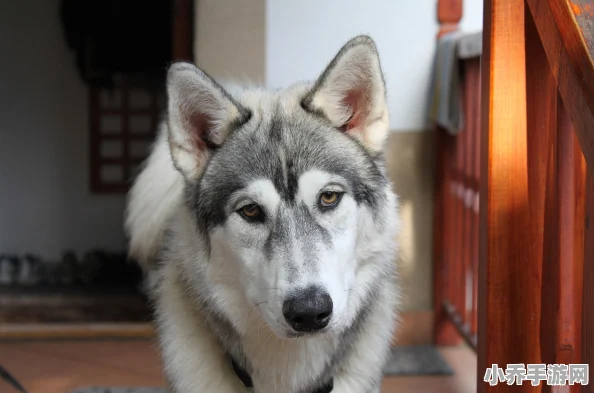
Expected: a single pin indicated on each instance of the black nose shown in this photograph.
(308, 310)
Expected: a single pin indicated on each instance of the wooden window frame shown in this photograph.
(183, 39)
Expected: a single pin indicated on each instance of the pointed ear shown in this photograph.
(200, 115)
(351, 93)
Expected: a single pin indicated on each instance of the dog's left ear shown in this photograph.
(351, 93)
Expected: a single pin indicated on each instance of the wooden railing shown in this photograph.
(457, 219)
(536, 283)
(536, 185)
(457, 204)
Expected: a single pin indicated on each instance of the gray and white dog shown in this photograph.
(273, 224)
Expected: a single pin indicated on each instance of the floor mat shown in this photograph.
(417, 360)
(405, 361)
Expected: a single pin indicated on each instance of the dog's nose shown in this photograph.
(308, 310)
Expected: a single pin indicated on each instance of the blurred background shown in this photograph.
(82, 90)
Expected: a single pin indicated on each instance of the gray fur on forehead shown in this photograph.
(282, 137)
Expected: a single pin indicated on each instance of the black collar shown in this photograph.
(245, 378)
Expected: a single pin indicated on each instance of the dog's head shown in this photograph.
(289, 191)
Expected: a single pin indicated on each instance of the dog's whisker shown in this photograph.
(260, 325)
(266, 342)
(252, 309)
(248, 316)
(208, 316)
(270, 289)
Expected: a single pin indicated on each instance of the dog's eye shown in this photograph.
(251, 212)
(329, 198)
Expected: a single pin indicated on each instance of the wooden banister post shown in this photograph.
(509, 267)
(449, 14)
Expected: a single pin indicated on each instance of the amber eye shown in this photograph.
(329, 198)
(251, 212)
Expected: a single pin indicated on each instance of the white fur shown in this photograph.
(239, 247)
(155, 196)
(196, 363)
(153, 199)
(233, 276)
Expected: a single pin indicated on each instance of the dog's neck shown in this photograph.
(261, 347)
(240, 350)
(246, 379)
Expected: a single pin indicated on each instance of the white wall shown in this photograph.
(472, 16)
(303, 36)
(45, 205)
(229, 40)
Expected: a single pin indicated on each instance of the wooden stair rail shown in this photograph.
(456, 199)
(566, 30)
(449, 14)
(536, 264)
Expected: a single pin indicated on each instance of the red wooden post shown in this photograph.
(449, 13)
(508, 299)
(536, 253)
(474, 67)
(588, 283)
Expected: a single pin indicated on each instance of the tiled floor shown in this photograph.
(60, 366)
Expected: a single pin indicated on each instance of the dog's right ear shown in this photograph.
(200, 115)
